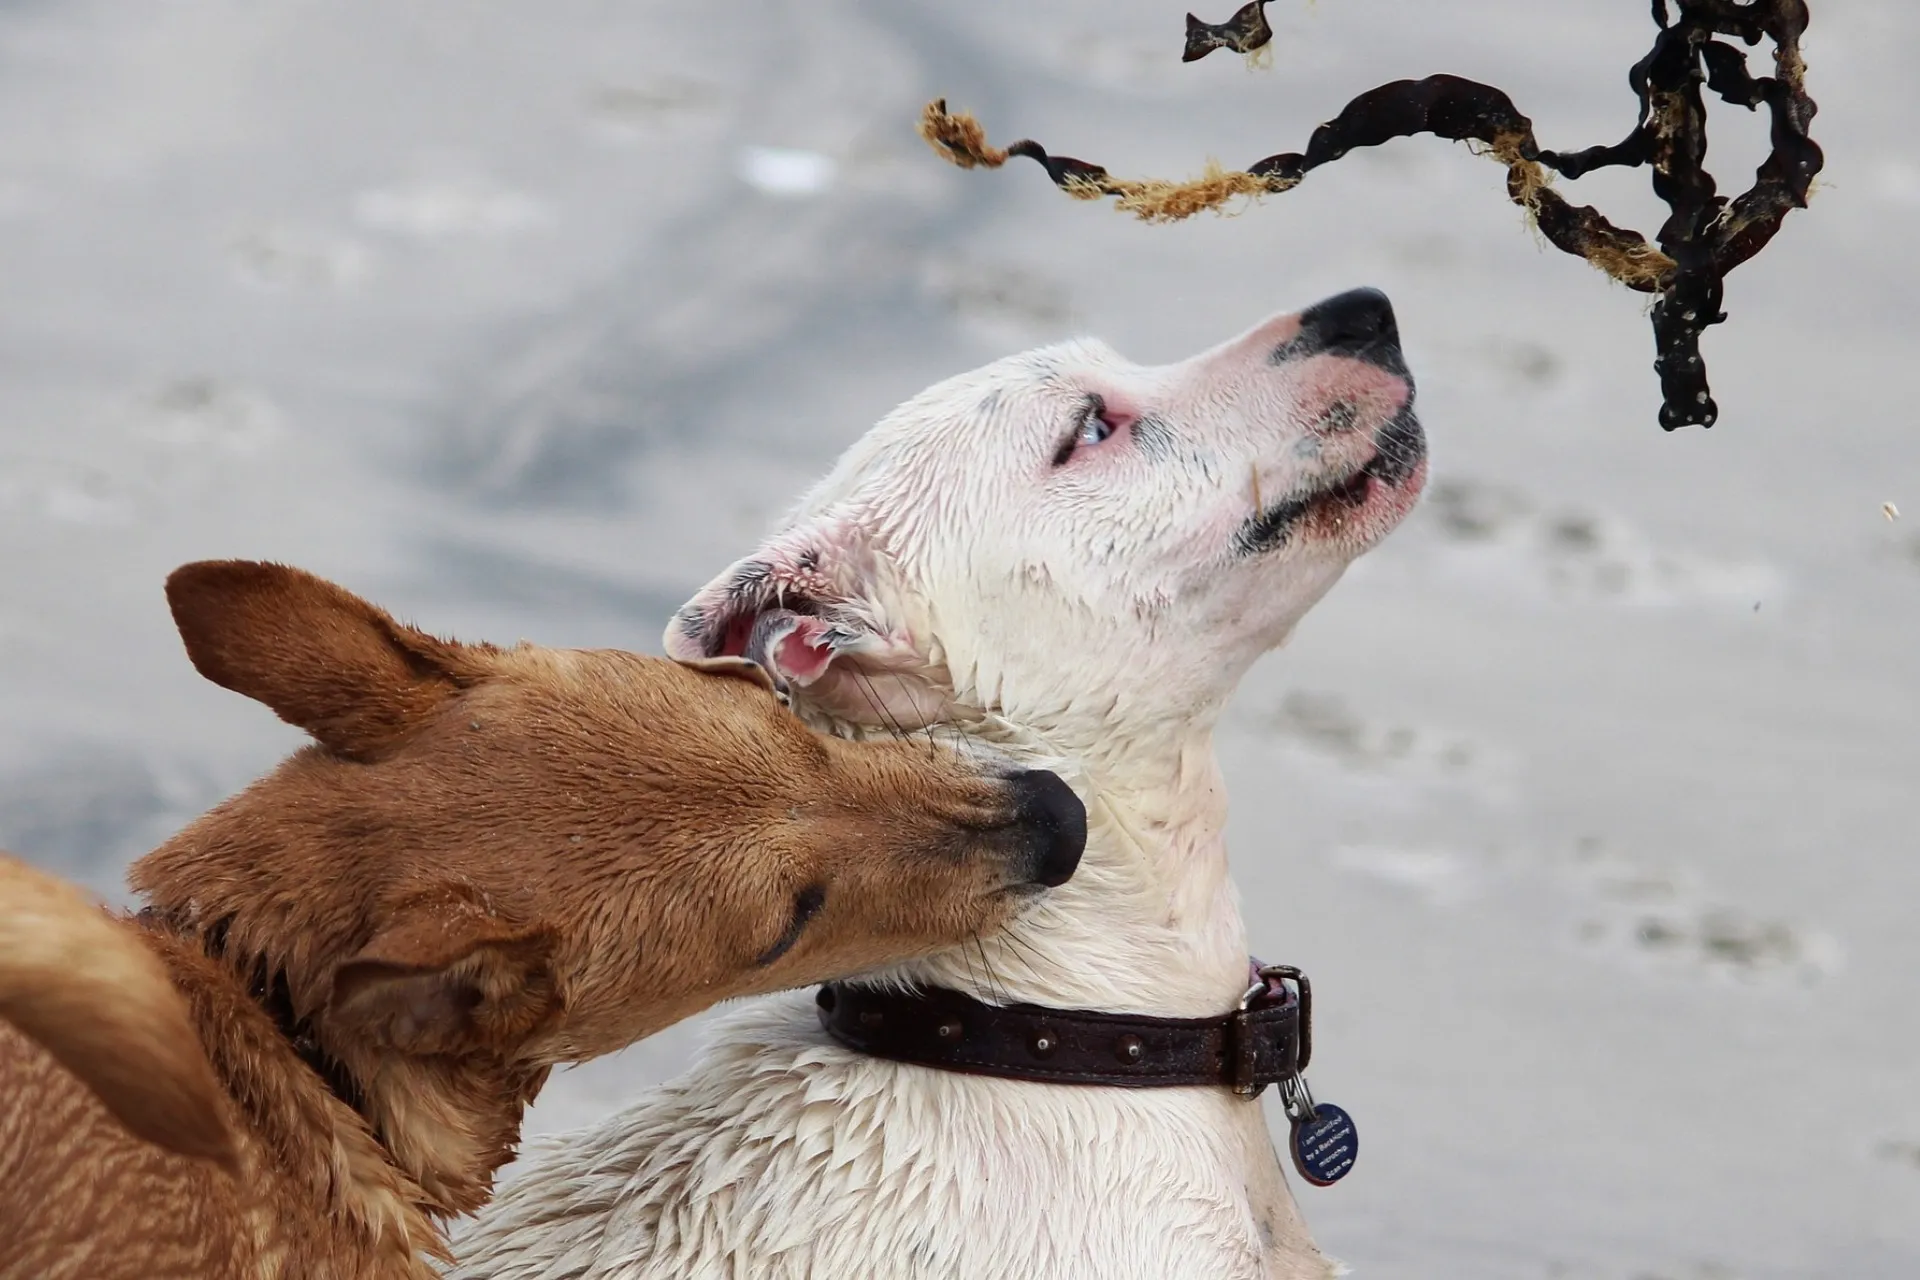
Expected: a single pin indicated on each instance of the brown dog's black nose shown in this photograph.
(1056, 822)
(1358, 323)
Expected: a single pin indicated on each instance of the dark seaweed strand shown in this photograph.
(1245, 32)
(1704, 237)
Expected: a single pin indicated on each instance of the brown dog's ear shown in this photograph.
(447, 978)
(322, 658)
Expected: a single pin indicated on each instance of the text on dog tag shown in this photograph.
(1325, 1147)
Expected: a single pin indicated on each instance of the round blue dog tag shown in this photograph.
(1325, 1147)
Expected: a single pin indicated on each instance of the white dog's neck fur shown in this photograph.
(1074, 559)
(1151, 921)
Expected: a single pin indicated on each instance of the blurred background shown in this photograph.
(1589, 801)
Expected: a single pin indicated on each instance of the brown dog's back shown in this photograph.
(102, 1006)
(101, 1203)
(100, 1060)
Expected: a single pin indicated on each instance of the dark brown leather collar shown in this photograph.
(1264, 1041)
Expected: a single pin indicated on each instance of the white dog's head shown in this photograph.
(1071, 543)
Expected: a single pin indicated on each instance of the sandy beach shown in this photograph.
(1591, 801)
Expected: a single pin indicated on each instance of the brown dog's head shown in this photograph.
(499, 859)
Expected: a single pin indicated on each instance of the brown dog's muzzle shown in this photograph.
(1054, 823)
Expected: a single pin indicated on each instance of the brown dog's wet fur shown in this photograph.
(135, 1046)
(493, 861)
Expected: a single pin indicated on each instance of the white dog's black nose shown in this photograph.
(1055, 822)
(1358, 323)
(1351, 322)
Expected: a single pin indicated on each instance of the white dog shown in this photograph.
(1076, 558)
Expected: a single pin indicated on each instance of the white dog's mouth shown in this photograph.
(1356, 509)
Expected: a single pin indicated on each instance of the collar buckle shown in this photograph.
(1268, 985)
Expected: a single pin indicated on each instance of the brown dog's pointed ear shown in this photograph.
(445, 977)
(321, 657)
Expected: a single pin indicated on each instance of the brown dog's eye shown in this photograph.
(806, 905)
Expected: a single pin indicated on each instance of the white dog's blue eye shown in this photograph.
(1095, 425)
(1092, 431)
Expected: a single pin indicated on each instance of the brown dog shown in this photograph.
(493, 861)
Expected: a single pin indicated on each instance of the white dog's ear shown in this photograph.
(737, 669)
(805, 607)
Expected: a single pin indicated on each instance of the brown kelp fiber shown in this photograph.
(1706, 235)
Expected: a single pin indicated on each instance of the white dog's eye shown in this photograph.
(1095, 425)
(1093, 430)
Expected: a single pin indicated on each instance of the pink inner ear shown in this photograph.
(801, 655)
(738, 630)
